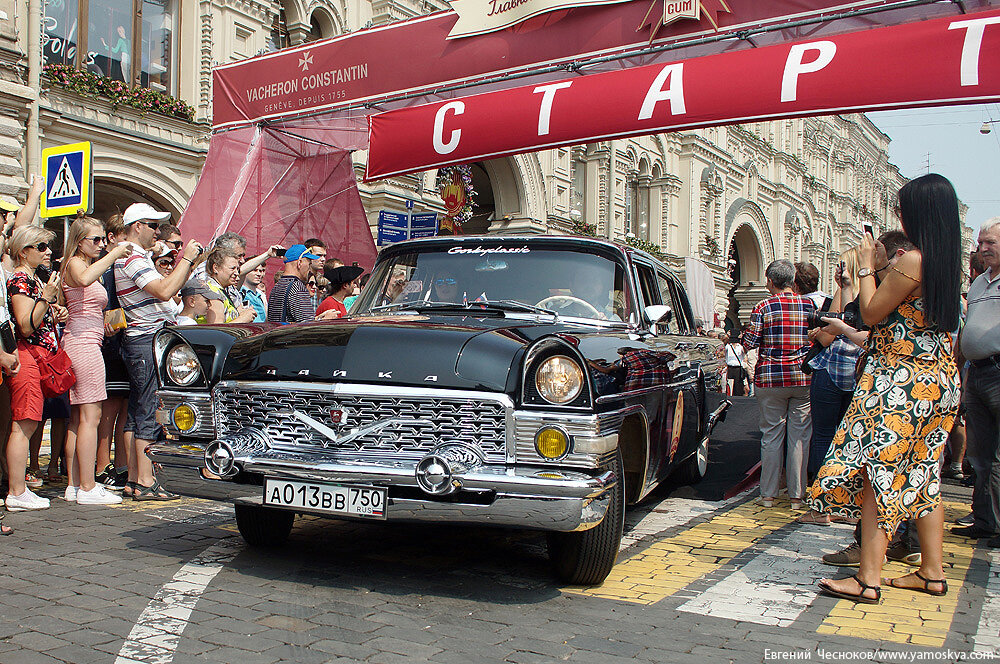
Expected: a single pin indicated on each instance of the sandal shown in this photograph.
(926, 588)
(855, 597)
(130, 489)
(154, 492)
(31, 481)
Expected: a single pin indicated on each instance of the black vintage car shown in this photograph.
(529, 382)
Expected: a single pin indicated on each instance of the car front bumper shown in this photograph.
(534, 498)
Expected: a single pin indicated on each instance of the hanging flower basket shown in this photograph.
(580, 227)
(645, 245)
(144, 100)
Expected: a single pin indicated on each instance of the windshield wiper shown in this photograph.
(394, 305)
(471, 305)
(517, 306)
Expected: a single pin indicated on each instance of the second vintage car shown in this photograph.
(530, 382)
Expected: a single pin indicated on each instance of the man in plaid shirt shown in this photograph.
(778, 327)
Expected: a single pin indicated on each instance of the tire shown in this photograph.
(586, 557)
(694, 468)
(263, 526)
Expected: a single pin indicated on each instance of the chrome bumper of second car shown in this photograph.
(544, 499)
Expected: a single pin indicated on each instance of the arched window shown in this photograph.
(279, 38)
(134, 41)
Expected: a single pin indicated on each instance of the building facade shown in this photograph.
(733, 197)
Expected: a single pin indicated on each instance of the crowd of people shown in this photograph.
(78, 337)
(859, 393)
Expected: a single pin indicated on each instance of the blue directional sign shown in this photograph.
(399, 226)
(423, 224)
(68, 174)
(392, 227)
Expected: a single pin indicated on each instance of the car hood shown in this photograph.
(465, 352)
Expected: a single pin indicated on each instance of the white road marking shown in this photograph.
(154, 637)
(988, 634)
(777, 584)
(669, 513)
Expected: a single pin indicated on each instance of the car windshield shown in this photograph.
(565, 282)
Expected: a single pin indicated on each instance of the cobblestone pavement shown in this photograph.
(698, 580)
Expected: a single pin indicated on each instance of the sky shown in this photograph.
(947, 141)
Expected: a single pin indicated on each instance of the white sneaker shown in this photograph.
(26, 501)
(70, 494)
(97, 496)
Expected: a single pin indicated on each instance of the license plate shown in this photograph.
(360, 501)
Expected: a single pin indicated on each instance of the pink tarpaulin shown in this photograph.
(278, 185)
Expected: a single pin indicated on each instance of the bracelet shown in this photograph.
(185, 258)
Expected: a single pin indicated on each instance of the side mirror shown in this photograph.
(660, 314)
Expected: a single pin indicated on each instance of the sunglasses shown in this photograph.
(312, 284)
(41, 246)
(155, 225)
(176, 244)
(165, 262)
(97, 239)
(445, 282)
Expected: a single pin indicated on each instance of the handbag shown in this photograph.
(55, 371)
(115, 319)
(7, 339)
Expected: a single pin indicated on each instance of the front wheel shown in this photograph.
(263, 526)
(586, 557)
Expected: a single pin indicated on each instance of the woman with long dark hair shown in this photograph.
(882, 465)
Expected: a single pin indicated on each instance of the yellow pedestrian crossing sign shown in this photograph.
(69, 180)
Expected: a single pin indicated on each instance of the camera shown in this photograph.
(815, 318)
(280, 252)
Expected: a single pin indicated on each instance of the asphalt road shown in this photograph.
(699, 579)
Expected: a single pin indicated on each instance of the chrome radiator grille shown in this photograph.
(399, 424)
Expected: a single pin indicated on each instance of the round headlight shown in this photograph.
(551, 443)
(184, 417)
(182, 365)
(559, 379)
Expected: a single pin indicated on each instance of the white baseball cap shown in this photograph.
(139, 211)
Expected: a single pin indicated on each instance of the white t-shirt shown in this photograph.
(185, 320)
(735, 355)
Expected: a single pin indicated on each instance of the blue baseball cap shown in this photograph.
(297, 251)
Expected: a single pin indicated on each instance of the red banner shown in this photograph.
(941, 61)
(417, 55)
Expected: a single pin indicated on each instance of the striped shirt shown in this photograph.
(778, 327)
(145, 313)
(290, 302)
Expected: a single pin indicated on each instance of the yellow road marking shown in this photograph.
(905, 616)
(673, 563)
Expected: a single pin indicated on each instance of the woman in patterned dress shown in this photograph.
(883, 463)
(35, 310)
(86, 298)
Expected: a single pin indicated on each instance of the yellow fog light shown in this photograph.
(551, 443)
(184, 417)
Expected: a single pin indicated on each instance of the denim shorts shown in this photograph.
(137, 353)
